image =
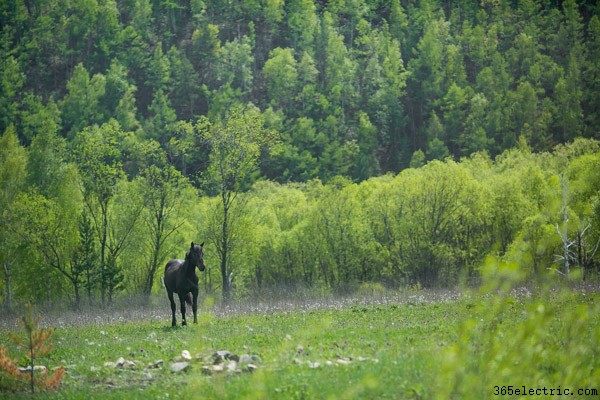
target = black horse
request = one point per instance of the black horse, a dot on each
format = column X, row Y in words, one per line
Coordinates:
column 181, row 278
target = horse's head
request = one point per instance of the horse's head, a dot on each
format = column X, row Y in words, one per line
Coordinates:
column 196, row 256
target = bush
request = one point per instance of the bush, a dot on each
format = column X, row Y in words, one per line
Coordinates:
column 516, row 341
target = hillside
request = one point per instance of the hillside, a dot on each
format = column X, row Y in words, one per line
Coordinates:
column 354, row 88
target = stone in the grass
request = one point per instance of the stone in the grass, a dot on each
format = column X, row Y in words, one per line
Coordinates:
column 179, row 367
column 251, row 367
column 232, row 366
column 36, row 368
column 255, row 359
column 343, row 361
column 245, row 359
column 221, row 356
column 223, row 361
column 218, row 368
column 156, row 364
column 212, row 369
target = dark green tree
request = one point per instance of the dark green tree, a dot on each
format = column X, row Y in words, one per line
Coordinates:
column 12, row 80
column 185, row 83
column 85, row 258
column 591, row 79
column 161, row 122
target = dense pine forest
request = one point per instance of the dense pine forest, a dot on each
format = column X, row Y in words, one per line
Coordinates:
column 316, row 145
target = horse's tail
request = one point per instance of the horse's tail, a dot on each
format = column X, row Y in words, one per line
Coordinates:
column 188, row 299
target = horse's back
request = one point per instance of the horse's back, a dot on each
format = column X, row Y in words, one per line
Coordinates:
column 171, row 269
column 173, row 265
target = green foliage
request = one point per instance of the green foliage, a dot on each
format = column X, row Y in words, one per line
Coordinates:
column 233, row 70
column 13, row 163
column 282, row 78
column 519, row 342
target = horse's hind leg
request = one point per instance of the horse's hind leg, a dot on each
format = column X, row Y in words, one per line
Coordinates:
column 182, row 302
column 173, row 307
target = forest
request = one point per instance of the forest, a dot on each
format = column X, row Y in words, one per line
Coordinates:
column 328, row 146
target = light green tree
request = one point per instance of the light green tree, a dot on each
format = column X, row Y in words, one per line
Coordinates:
column 282, row 78
column 303, row 21
column 80, row 107
column 13, row 164
column 99, row 159
column 233, row 72
column 49, row 228
column 236, row 144
column 167, row 198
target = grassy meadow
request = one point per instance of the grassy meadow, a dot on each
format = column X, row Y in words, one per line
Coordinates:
column 398, row 347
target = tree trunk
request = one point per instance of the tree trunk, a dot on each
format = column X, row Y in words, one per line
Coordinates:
column 88, row 285
column 226, row 198
column 103, row 240
column 224, row 277
column 77, row 294
column 563, row 182
column 7, row 280
column 147, row 290
column 224, row 255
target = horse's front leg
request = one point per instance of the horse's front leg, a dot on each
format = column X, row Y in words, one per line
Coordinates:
column 195, row 304
column 182, row 301
column 173, row 307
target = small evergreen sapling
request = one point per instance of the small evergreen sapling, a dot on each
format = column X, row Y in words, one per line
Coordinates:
column 36, row 345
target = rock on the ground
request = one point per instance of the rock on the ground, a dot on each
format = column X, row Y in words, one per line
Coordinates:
column 156, row 364
column 36, row 368
column 251, row 367
column 221, row 356
column 180, row 366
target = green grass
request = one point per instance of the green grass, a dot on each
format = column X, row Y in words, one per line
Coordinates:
column 395, row 351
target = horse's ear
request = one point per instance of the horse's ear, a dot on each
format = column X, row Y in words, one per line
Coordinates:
column 192, row 246
column 202, row 245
